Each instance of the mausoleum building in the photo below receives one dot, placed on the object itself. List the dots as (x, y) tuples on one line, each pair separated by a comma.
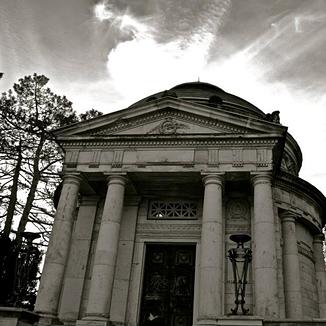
[(150, 197)]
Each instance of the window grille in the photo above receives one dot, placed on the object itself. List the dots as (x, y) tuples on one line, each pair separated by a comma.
[(174, 210)]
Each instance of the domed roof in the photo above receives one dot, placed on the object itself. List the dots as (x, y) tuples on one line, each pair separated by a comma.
[(206, 94)]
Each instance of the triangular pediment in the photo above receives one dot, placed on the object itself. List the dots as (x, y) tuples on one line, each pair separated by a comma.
[(166, 122), (170, 117)]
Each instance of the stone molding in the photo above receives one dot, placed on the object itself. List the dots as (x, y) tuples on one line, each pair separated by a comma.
[(296, 185), (121, 124), (261, 178), (213, 179), (116, 179), (167, 141), (305, 251), (168, 230), (72, 178), (288, 216), (319, 238)]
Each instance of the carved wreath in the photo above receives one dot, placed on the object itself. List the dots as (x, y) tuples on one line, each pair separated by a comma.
[(168, 127)]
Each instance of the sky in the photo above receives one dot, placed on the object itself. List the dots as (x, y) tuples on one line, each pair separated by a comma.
[(108, 54)]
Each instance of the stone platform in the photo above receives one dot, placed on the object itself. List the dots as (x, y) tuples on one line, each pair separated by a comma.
[(17, 317)]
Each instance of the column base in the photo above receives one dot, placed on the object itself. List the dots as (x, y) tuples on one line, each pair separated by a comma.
[(296, 322), (89, 322), (240, 321), (48, 320)]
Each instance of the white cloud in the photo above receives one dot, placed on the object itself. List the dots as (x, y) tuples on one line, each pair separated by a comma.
[(143, 65)]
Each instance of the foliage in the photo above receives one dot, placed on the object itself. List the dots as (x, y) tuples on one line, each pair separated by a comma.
[(30, 161), (19, 269), (30, 155)]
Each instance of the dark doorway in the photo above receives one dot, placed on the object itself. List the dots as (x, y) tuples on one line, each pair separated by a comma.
[(168, 288)]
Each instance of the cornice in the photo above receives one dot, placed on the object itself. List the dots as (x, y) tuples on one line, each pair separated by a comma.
[(230, 118), (169, 140), (295, 184)]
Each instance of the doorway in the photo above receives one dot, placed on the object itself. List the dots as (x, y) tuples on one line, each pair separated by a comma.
[(168, 287)]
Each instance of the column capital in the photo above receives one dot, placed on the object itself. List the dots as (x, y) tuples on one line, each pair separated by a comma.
[(116, 179), (319, 238), (261, 178), (288, 216), (214, 178), (73, 178)]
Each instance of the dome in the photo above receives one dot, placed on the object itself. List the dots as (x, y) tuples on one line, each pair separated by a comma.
[(206, 94)]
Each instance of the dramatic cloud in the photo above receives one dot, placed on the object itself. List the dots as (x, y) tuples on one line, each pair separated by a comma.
[(108, 54), (168, 45)]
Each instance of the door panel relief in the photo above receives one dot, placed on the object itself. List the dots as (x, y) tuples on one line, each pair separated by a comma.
[(168, 287)]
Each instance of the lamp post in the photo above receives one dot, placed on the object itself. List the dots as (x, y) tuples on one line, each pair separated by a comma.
[(240, 257)]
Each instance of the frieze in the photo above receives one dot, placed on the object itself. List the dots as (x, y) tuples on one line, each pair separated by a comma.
[(213, 157), (168, 229), (96, 157), (122, 124), (237, 156), (117, 159), (71, 158), (262, 157)]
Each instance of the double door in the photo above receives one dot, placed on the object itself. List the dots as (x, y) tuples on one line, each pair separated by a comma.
[(168, 287)]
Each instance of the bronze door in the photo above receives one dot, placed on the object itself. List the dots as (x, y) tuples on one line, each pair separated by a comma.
[(168, 288)]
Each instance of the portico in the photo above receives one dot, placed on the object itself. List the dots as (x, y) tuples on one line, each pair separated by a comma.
[(155, 190)]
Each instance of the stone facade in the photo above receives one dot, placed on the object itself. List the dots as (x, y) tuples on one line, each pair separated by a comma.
[(185, 167)]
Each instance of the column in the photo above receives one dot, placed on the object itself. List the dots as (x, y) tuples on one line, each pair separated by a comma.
[(100, 295), (57, 253), (211, 251), (320, 273), (121, 285), (264, 248), (291, 268), (78, 257)]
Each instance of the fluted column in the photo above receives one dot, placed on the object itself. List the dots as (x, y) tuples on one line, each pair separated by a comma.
[(211, 251), (264, 248), (57, 253), (291, 268), (106, 251), (320, 273)]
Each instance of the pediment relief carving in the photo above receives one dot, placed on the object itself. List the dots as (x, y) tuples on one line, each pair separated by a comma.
[(169, 126), (166, 122)]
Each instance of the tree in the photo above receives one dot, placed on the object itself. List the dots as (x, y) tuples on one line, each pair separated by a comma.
[(30, 155), (90, 114), (30, 161)]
